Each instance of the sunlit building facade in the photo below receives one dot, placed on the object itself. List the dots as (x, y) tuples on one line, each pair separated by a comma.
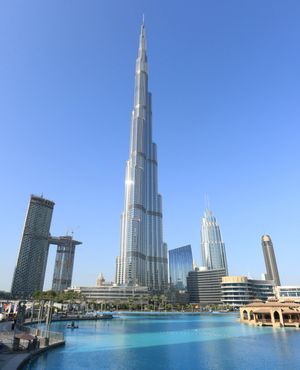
[(143, 256), (111, 293), (288, 292), (270, 259), (240, 290), (212, 245)]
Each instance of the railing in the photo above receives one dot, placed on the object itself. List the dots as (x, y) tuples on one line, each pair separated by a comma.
[(293, 321), (54, 337), (6, 339)]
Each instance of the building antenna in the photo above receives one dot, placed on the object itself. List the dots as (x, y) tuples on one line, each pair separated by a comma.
[(143, 18), (206, 202)]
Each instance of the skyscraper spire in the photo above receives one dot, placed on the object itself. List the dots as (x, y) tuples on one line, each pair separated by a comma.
[(143, 255), (212, 245)]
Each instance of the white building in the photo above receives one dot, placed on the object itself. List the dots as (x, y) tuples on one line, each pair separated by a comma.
[(107, 293), (212, 245), (286, 292), (240, 290)]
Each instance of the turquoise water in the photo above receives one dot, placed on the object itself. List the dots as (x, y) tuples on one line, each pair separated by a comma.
[(170, 342)]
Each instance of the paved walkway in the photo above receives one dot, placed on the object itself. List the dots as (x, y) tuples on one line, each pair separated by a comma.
[(10, 360)]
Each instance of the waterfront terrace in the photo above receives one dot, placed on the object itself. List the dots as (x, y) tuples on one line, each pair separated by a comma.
[(271, 313)]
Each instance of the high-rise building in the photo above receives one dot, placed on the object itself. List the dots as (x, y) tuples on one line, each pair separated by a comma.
[(212, 245), (270, 259), (143, 254), (204, 286), (33, 253), (64, 261), (180, 264)]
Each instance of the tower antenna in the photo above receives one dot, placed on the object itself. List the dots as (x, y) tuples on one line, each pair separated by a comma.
[(206, 202)]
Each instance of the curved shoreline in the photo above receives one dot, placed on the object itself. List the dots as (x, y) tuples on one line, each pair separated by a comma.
[(36, 353), (17, 361)]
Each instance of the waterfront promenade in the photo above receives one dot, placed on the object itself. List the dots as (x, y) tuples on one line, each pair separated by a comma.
[(11, 359)]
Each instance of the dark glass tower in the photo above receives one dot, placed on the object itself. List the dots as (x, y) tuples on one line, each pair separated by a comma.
[(270, 259), (143, 254), (64, 262), (180, 264), (32, 259)]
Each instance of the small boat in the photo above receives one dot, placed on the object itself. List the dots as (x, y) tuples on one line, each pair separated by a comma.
[(72, 326)]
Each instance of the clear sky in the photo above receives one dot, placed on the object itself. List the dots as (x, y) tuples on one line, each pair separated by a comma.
[(225, 79)]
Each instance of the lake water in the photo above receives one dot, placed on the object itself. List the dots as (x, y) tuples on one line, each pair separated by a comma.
[(170, 342)]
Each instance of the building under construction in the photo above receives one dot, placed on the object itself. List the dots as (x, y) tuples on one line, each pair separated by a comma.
[(64, 261)]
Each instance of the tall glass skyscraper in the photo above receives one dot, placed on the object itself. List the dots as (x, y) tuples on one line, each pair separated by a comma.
[(180, 264), (32, 259), (270, 259), (212, 245), (143, 254)]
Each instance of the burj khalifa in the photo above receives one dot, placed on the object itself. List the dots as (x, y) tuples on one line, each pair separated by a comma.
[(143, 254)]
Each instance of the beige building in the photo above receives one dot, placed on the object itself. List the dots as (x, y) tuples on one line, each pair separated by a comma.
[(271, 313)]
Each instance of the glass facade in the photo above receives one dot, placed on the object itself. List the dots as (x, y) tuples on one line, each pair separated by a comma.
[(239, 290), (180, 264), (143, 258), (64, 261), (32, 259), (282, 292), (212, 246)]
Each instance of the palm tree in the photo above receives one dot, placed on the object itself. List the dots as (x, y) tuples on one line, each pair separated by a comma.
[(145, 301), (155, 300), (162, 300), (130, 301)]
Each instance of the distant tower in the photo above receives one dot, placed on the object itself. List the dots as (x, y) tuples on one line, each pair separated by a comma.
[(33, 253), (143, 258), (100, 279), (64, 261), (212, 245), (270, 259), (180, 264)]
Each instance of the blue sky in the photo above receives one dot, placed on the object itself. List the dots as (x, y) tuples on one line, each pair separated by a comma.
[(225, 80)]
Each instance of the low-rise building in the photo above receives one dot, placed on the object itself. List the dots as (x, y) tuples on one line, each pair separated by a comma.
[(204, 286), (271, 313), (178, 297), (288, 292), (239, 290), (112, 293)]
